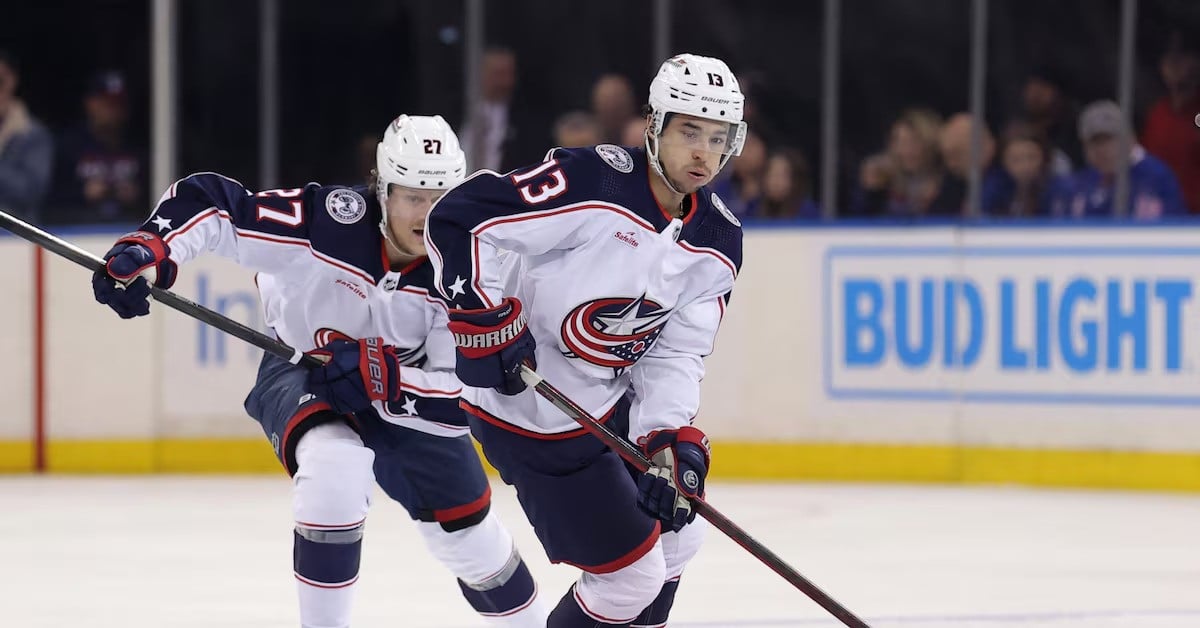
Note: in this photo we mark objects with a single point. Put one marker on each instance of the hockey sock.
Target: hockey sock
(655, 615)
(326, 562)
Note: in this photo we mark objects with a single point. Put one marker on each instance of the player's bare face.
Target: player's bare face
(690, 150)
(407, 208)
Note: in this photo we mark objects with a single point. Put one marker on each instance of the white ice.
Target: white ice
(190, 552)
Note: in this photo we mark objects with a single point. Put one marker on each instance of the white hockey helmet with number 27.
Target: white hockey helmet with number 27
(418, 152)
(698, 86)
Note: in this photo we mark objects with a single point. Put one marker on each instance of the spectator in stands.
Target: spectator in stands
(743, 187)
(26, 149)
(576, 128)
(101, 175)
(613, 106)
(634, 133)
(1170, 132)
(955, 143)
(906, 179)
(1153, 190)
(498, 134)
(786, 188)
(1046, 104)
(1027, 185)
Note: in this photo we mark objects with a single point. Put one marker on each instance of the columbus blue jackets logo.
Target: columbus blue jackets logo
(613, 332)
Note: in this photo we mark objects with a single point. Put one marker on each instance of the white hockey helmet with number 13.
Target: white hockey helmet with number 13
(703, 87)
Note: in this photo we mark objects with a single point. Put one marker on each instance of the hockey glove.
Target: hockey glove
(680, 460)
(492, 345)
(356, 372)
(134, 262)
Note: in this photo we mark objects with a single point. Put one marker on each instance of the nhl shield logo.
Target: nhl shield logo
(345, 206)
(613, 332)
(616, 157)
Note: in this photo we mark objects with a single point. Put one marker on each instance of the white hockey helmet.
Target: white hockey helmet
(698, 86)
(418, 152)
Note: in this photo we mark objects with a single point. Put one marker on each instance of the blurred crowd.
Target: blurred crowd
(1055, 158)
(85, 173)
(1049, 161)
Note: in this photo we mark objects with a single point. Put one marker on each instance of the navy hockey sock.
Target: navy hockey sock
(327, 558)
(569, 614)
(655, 615)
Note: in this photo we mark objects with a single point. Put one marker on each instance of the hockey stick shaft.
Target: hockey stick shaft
(719, 521)
(89, 261)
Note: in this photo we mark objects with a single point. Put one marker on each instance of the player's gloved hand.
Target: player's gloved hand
(492, 345)
(356, 372)
(680, 460)
(134, 262)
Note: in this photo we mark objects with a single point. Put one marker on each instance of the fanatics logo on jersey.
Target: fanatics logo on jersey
(720, 205)
(616, 157)
(628, 237)
(613, 332)
(346, 206)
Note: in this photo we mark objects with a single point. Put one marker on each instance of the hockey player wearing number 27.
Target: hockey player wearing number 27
(342, 273)
(609, 268)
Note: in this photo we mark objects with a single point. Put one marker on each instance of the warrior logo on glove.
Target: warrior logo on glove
(491, 339)
(614, 332)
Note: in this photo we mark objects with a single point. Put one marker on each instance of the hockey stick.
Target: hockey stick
(718, 520)
(65, 249)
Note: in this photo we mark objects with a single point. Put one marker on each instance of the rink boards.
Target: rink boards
(1058, 356)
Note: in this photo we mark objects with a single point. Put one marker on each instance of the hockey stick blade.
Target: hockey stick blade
(719, 521)
(61, 247)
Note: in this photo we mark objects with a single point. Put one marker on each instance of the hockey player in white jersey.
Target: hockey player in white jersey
(342, 273)
(609, 268)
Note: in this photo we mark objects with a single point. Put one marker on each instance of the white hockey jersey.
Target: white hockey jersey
(620, 296)
(322, 270)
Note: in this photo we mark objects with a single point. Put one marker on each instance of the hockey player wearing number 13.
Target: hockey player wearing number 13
(342, 273)
(609, 268)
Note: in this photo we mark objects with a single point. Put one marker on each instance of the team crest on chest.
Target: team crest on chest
(616, 157)
(613, 332)
(345, 206)
(720, 205)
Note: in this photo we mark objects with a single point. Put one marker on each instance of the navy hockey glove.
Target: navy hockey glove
(680, 460)
(356, 372)
(135, 259)
(492, 345)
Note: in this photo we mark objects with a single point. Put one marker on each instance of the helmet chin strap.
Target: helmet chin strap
(383, 222)
(656, 162)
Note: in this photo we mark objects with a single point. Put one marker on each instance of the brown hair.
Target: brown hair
(800, 185)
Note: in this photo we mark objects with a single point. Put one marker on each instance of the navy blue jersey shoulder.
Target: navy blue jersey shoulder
(621, 175)
(713, 227)
(568, 176)
(345, 226)
(419, 274)
(337, 221)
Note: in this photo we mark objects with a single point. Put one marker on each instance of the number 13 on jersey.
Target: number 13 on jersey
(545, 182)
